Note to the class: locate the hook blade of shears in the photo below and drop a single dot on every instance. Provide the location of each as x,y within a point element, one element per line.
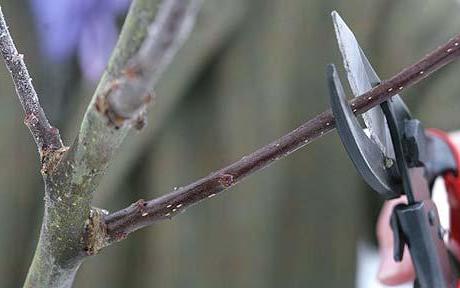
<point>362,77</point>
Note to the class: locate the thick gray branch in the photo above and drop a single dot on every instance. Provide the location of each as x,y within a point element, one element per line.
<point>69,228</point>
<point>132,90</point>
<point>46,136</point>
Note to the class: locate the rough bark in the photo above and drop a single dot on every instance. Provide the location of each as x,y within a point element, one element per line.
<point>65,237</point>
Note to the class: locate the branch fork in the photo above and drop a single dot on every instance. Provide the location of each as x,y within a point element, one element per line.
<point>72,229</point>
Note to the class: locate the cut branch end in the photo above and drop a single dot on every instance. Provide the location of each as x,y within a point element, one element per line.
<point>95,236</point>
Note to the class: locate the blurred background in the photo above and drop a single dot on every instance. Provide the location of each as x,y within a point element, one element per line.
<point>252,71</point>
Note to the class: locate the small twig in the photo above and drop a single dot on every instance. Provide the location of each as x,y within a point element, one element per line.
<point>143,213</point>
<point>46,136</point>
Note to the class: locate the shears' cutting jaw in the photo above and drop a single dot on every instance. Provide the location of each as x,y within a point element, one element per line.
<point>365,154</point>
<point>362,77</point>
<point>396,140</point>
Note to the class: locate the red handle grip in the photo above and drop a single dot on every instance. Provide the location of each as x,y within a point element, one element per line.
<point>452,181</point>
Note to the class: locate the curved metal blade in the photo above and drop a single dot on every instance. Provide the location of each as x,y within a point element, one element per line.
<point>365,154</point>
<point>362,77</point>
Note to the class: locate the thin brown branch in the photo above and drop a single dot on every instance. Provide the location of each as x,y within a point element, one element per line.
<point>143,213</point>
<point>46,136</point>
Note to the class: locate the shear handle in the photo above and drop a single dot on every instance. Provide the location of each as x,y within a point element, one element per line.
<point>452,182</point>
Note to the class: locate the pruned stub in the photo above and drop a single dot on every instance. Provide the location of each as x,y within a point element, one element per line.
<point>50,159</point>
<point>102,106</point>
<point>123,102</point>
<point>95,237</point>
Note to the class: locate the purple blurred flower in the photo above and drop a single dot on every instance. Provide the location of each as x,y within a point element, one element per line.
<point>85,27</point>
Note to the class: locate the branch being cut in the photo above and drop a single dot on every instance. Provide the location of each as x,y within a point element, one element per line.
<point>46,136</point>
<point>143,213</point>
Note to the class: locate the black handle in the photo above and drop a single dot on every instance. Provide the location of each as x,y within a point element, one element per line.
<point>418,226</point>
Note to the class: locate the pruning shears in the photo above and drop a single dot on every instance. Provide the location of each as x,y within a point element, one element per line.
<point>396,156</point>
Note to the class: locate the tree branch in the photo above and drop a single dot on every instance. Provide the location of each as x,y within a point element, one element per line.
<point>46,136</point>
<point>144,213</point>
<point>118,104</point>
<point>166,35</point>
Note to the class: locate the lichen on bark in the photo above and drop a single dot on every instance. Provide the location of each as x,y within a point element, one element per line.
<point>71,229</point>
